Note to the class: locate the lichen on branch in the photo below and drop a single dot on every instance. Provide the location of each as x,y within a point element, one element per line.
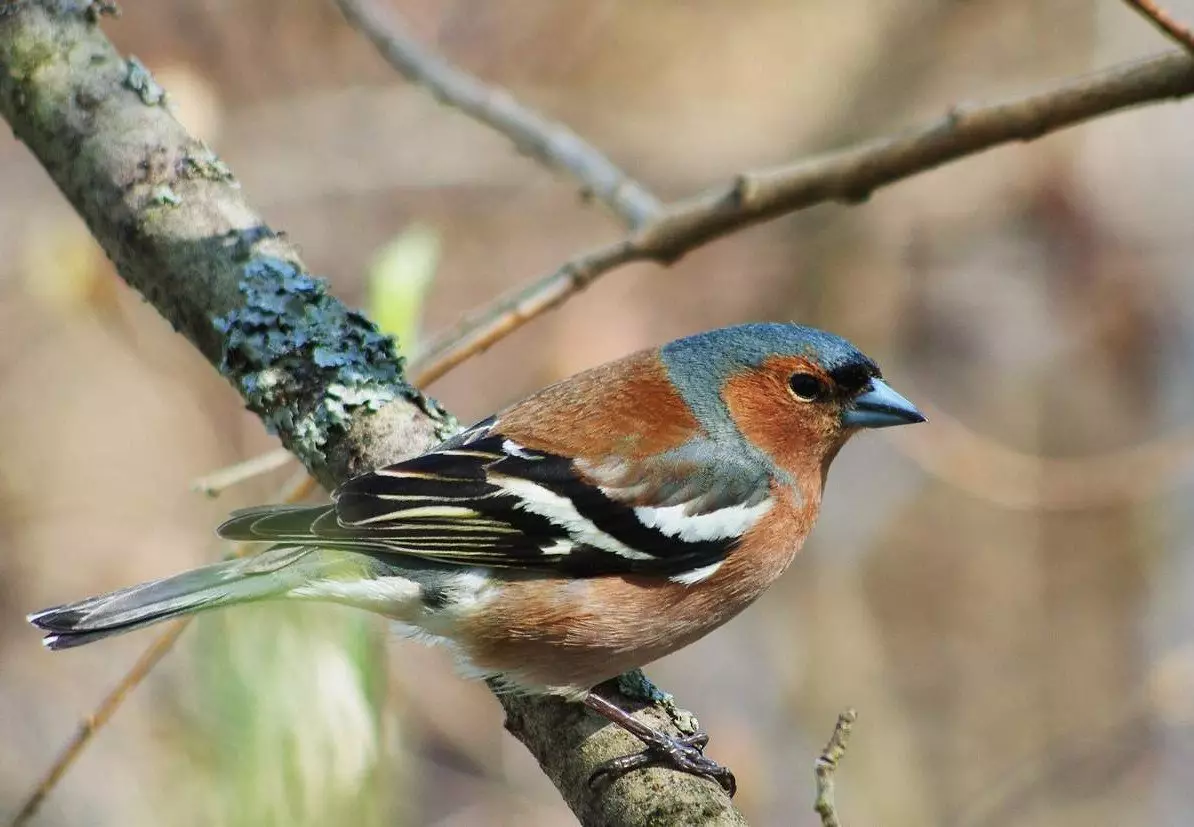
<point>304,362</point>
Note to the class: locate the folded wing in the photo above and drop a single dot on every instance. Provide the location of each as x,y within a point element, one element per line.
<point>483,500</point>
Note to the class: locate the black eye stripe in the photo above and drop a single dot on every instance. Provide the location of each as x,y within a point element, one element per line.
<point>807,387</point>
<point>853,378</point>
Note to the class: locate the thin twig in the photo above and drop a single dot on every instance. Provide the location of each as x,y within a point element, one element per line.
<point>549,142</point>
<point>219,481</point>
<point>477,333</point>
<point>847,176</point>
<point>1164,21</point>
<point>826,766</point>
<point>294,490</point>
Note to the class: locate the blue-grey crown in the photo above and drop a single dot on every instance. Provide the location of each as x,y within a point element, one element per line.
<point>699,365</point>
<point>718,354</point>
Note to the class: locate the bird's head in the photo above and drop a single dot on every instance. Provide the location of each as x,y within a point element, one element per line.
<point>795,392</point>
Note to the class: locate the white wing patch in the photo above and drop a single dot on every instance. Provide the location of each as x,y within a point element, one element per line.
<point>691,578</point>
<point>515,450</point>
<point>722,524</point>
<point>560,510</point>
<point>559,548</point>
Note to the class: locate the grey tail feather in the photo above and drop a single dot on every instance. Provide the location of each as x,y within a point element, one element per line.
<point>269,574</point>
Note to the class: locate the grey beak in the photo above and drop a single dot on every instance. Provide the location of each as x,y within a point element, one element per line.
<point>880,407</point>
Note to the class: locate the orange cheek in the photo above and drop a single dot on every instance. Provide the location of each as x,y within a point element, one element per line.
<point>800,436</point>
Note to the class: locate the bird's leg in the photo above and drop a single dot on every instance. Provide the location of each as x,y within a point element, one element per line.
<point>634,684</point>
<point>683,754</point>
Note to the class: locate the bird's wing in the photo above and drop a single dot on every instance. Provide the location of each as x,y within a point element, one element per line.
<point>483,500</point>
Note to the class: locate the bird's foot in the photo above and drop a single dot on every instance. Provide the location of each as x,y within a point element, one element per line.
<point>684,753</point>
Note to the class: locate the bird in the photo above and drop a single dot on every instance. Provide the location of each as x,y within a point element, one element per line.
<point>592,528</point>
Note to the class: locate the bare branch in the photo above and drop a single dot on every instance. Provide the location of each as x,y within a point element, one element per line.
<point>1164,21</point>
<point>551,143</point>
<point>847,176</point>
<point>826,767</point>
<point>477,333</point>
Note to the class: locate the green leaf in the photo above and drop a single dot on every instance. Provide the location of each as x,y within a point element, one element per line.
<point>399,276</point>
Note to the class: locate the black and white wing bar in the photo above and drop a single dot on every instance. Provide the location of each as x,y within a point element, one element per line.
<point>487,501</point>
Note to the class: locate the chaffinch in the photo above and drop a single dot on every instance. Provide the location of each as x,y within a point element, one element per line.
<point>596,526</point>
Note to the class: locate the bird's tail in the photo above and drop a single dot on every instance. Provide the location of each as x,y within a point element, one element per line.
<point>272,573</point>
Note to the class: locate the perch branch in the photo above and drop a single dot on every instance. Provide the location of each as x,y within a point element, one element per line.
<point>826,768</point>
<point>848,176</point>
<point>1164,21</point>
<point>550,143</point>
<point>173,220</point>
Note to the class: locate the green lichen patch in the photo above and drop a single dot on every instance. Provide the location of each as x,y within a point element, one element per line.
<point>139,79</point>
<point>201,162</point>
<point>164,196</point>
<point>304,362</point>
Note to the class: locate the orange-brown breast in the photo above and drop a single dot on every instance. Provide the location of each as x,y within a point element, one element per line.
<point>558,632</point>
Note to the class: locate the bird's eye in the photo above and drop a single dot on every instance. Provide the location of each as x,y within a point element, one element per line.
<point>807,387</point>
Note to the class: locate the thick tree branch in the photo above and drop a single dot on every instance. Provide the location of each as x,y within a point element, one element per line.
<point>173,220</point>
<point>847,176</point>
<point>551,143</point>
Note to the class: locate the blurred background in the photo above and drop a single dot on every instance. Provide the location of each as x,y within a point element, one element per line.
<point>1004,594</point>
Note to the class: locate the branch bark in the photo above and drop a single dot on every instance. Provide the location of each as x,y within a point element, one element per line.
<point>847,176</point>
<point>172,218</point>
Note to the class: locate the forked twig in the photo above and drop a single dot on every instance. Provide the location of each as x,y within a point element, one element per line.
<point>847,176</point>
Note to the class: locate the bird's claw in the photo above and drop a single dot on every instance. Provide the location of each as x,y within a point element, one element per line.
<point>684,754</point>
